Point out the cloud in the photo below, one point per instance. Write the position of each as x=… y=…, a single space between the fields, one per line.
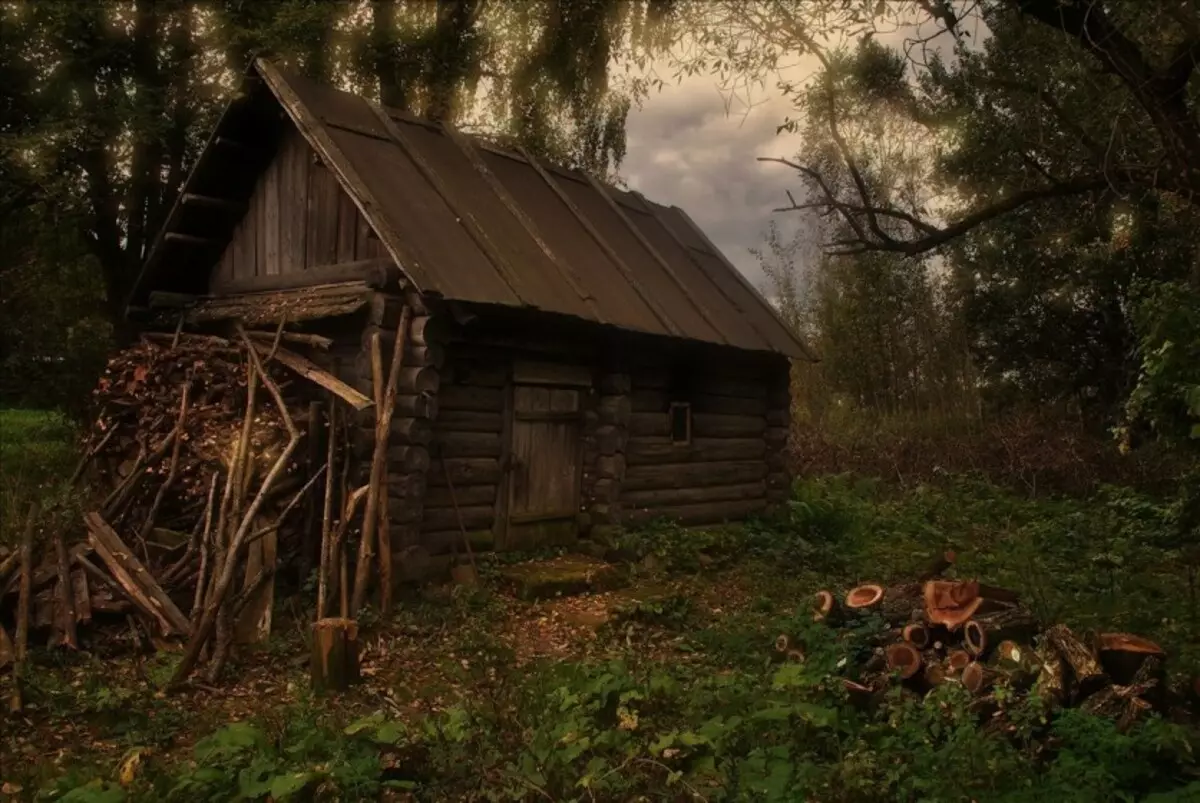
x=689 y=146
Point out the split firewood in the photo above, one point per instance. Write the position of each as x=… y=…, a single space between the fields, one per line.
x=65 y=593
x=26 y=584
x=1087 y=674
x=1120 y=703
x=1051 y=682
x=903 y=659
x=982 y=633
x=134 y=577
x=1122 y=655
x=864 y=598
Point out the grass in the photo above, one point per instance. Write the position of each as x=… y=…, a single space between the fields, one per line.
x=37 y=454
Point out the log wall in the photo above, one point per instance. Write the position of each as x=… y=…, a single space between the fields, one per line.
x=734 y=464
x=298 y=217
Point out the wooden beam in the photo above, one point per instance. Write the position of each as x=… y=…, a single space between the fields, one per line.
x=378 y=274
x=473 y=227
x=569 y=276
x=613 y=256
x=314 y=373
x=190 y=239
x=336 y=160
x=657 y=214
x=209 y=202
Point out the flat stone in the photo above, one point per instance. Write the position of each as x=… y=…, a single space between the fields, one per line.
x=562 y=576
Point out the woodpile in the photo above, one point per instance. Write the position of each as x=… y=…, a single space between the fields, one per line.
x=926 y=634
x=195 y=492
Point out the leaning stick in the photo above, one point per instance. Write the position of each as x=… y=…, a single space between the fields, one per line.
x=205 y=548
x=225 y=580
x=382 y=429
x=26 y=587
x=326 y=567
x=173 y=469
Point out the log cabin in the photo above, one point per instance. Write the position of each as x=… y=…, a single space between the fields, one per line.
x=578 y=358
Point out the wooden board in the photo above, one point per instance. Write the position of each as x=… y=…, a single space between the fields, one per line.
x=544 y=486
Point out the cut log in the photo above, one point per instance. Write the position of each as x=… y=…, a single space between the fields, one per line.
x=1087 y=675
x=1122 y=655
x=334 y=665
x=132 y=575
x=865 y=597
x=983 y=633
x=1150 y=681
x=314 y=373
x=647 y=451
x=951 y=604
x=934 y=674
x=903 y=659
x=957 y=661
x=782 y=642
x=976 y=678
x=917 y=635
x=826 y=608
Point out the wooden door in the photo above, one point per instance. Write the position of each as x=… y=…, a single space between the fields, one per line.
x=546 y=466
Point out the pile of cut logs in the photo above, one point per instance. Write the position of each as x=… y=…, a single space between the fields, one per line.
x=195 y=491
x=924 y=634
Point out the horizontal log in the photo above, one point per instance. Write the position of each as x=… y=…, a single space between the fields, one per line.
x=470 y=495
x=465 y=471
x=377 y=273
x=708 y=425
x=467 y=444
x=652 y=424
x=615 y=384
x=445 y=518
x=493 y=374
x=418 y=379
x=781 y=417
x=468 y=421
x=668 y=497
x=697 y=475
x=533 y=372
x=654 y=401
x=705 y=513
x=406 y=510
x=415 y=355
x=448 y=541
x=658 y=451
x=610 y=440
x=614 y=411
x=739 y=388
x=407 y=486
x=611 y=467
x=412 y=431
x=418 y=405
x=468 y=397
x=776 y=437
x=408 y=459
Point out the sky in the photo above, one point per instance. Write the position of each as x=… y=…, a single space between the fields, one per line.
x=689 y=146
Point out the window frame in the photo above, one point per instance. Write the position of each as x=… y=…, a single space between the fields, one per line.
x=686 y=407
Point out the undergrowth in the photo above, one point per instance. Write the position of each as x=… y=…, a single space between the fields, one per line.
x=686 y=704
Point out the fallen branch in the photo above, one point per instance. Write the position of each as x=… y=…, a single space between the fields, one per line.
x=130 y=573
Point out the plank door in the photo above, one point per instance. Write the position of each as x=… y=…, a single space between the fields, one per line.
x=546 y=466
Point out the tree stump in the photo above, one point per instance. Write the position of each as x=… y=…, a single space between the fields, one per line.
x=334 y=655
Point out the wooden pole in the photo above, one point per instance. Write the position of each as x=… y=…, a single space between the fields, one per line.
x=327 y=567
x=382 y=430
x=26 y=586
x=66 y=593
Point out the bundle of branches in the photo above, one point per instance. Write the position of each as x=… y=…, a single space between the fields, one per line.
x=191 y=474
x=925 y=634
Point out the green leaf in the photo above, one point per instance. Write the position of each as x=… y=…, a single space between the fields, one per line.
x=283 y=786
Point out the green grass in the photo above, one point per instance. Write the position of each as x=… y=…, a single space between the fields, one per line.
x=37 y=454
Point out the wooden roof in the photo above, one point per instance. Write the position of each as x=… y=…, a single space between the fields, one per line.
x=471 y=222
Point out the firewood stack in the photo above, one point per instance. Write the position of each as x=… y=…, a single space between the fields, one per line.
x=193 y=485
x=925 y=634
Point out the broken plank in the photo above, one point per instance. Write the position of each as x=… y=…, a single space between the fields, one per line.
x=314 y=373
x=133 y=576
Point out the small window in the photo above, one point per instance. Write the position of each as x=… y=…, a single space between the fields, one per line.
x=681 y=423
